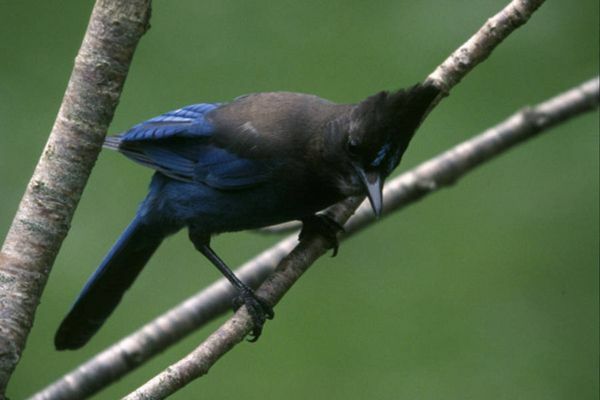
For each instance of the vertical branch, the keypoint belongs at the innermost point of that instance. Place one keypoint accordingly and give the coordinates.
(44, 215)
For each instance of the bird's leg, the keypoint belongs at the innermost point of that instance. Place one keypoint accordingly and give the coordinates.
(324, 225)
(258, 309)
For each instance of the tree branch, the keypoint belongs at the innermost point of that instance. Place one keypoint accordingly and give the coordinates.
(480, 46)
(44, 215)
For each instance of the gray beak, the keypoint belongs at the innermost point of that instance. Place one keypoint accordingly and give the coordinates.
(374, 185)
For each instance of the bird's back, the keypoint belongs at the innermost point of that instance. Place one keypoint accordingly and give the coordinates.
(263, 124)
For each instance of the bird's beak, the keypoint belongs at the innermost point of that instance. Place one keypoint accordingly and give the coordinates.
(374, 185)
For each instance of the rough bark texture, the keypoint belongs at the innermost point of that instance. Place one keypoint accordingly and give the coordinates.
(45, 212)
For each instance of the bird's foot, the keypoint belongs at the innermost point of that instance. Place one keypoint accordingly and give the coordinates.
(258, 309)
(325, 226)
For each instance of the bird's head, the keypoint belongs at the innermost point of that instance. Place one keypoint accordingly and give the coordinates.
(377, 134)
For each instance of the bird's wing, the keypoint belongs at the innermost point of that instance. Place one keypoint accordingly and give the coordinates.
(179, 144)
(187, 122)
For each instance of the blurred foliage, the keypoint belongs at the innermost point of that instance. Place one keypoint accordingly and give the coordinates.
(486, 290)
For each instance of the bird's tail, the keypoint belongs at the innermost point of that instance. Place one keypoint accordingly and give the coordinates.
(105, 288)
(112, 142)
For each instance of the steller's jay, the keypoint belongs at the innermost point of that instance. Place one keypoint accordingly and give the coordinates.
(259, 160)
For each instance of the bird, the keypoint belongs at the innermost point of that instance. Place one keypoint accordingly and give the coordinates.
(258, 160)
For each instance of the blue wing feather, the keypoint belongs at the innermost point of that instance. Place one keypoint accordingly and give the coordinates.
(178, 144)
(188, 121)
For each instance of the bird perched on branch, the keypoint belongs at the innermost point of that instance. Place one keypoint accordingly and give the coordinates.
(259, 160)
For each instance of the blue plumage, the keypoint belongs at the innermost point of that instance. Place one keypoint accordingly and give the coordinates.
(188, 121)
(179, 145)
(262, 159)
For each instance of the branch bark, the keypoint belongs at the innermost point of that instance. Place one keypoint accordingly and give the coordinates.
(480, 46)
(44, 215)
(199, 361)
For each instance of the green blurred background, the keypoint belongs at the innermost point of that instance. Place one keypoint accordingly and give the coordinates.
(487, 290)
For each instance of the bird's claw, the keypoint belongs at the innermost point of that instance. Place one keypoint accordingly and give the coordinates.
(325, 226)
(258, 309)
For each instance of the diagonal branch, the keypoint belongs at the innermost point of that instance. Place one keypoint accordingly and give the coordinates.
(480, 46)
(44, 215)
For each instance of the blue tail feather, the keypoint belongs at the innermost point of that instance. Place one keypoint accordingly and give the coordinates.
(105, 288)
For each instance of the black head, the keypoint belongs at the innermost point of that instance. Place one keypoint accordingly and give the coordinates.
(379, 131)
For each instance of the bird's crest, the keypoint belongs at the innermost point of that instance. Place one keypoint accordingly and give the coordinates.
(382, 125)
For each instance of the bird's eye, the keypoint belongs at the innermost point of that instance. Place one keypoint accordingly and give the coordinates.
(353, 147)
